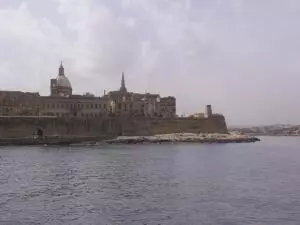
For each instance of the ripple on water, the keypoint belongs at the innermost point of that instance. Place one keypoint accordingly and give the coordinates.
(152, 184)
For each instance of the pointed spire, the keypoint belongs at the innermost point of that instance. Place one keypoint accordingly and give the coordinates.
(123, 86)
(123, 81)
(61, 70)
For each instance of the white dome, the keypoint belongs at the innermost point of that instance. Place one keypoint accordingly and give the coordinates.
(63, 81)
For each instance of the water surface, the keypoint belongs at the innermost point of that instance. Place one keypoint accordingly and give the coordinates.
(187, 184)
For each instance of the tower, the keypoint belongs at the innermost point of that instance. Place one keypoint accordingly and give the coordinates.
(123, 87)
(209, 111)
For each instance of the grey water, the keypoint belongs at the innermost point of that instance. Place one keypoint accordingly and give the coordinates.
(186, 184)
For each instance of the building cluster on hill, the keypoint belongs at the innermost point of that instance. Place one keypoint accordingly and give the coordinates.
(63, 103)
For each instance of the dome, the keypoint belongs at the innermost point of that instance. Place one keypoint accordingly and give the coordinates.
(63, 81)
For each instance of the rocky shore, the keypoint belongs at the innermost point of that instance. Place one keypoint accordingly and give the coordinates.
(184, 137)
(163, 138)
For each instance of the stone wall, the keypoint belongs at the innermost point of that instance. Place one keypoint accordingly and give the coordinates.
(215, 124)
(142, 126)
(23, 127)
(26, 126)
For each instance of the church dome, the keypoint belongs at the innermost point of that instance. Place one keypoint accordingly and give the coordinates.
(63, 81)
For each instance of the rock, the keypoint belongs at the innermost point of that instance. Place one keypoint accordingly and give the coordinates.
(184, 137)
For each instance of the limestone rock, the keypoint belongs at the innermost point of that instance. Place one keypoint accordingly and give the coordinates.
(184, 137)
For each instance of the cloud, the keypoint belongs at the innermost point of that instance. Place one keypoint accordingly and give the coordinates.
(28, 46)
(241, 56)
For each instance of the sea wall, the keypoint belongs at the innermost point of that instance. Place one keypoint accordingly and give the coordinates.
(142, 126)
(214, 124)
(26, 126)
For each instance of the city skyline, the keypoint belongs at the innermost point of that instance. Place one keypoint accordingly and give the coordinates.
(239, 56)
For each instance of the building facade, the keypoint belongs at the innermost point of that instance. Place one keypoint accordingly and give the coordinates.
(63, 103)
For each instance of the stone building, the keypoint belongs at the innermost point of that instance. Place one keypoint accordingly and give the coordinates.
(63, 103)
(167, 107)
(149, 105)
(79, 106)
(17, 103)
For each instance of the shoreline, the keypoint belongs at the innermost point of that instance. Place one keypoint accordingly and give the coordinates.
(184, 138)
(156, 139)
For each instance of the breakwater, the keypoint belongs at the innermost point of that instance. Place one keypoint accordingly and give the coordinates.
(184, 137)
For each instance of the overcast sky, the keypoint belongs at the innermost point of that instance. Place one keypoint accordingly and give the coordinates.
(241, 56)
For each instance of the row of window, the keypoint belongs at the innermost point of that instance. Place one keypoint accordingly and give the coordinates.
(125, 106)
(83, 115)
(73, 106)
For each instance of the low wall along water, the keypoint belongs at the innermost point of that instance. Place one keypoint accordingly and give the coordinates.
(11, 127)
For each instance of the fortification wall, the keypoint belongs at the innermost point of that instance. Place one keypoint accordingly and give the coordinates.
(190, 125)
(142, 126)
(26, 126)
(22, 126)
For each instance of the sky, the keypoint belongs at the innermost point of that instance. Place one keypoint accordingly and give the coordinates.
(241, 56)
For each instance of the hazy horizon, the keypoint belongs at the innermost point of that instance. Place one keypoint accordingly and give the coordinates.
(241, 56)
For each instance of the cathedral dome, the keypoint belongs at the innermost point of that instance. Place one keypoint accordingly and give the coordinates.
(61, 86)
(63, 81)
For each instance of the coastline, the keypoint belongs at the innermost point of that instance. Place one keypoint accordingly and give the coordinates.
(157, 139)
(185, 138)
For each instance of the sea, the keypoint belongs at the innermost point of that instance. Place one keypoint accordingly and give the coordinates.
(154, 184)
